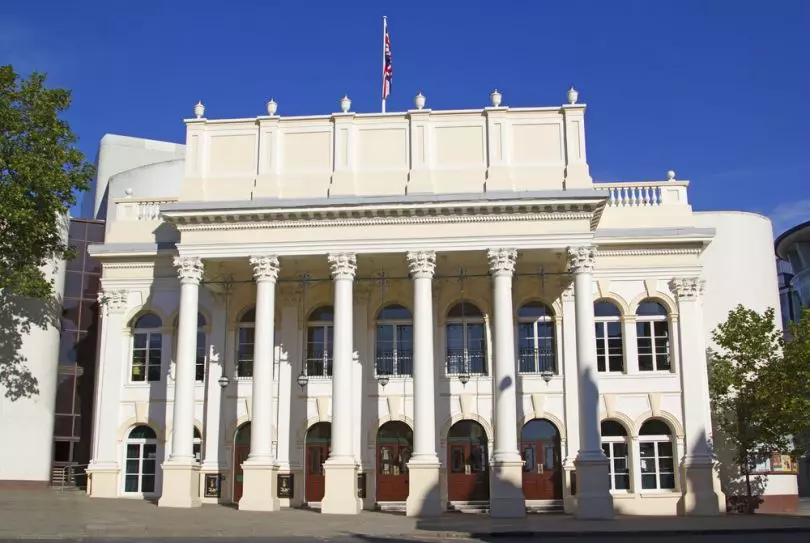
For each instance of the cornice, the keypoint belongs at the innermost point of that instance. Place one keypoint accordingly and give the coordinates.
(395, 217)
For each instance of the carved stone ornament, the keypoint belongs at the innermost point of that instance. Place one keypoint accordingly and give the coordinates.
(568, 291)
(421, 264)
(265, 267)
(502, 261)
(189, 269)
(687, 288)
(581, 259)
(113, 301)
(343, 265)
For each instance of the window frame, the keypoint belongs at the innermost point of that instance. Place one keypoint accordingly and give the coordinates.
(148, 349)
(611, 441)
(240, 361)
(548, 319)
(650, 321)
(465, 322)
(396, 361)
(328, 330)
(603, 322)
(657, 440)
(141, 443)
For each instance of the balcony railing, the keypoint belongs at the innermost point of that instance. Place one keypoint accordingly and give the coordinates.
(319, 364)
(467, 361)
(394, 363)
(645, 193)
(540, 360)
(141, 209)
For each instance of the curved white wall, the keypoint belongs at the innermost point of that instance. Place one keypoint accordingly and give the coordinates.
(739, 266)
(26, 424)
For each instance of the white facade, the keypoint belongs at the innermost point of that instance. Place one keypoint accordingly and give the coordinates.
(502, 258)
(27, 410)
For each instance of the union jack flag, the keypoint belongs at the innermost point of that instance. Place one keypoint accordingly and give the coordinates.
(388, 72)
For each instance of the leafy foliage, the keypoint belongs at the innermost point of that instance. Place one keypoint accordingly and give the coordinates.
(759, 386)
(41, 172)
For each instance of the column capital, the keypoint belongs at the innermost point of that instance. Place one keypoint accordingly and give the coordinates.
(687, 288)
(265, 267)
(113, 300)
(421, 264)
(581, 259)
(502, 261)
(189, 269)
(342, 265)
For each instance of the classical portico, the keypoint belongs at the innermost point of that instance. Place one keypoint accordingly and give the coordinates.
(471, 323)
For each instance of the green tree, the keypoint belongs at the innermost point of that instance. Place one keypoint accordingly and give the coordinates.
(758, 387)
(41, 173)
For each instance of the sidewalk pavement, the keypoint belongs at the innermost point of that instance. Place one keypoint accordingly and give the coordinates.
(50, 514)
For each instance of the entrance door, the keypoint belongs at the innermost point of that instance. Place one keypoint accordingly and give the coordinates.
(319, 441)
(468, 462)
(241, 450)
(542, 467)
(394, 447)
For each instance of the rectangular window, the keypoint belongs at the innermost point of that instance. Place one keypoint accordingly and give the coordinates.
(657, 465)
(653, 345)
(146, 350)
(616, 453)
(320, 341)
(609, 348)
(200, 359)
(244, 360)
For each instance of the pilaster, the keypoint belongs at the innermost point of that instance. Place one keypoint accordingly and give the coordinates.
(420, 177)
(344, 182)
(499, 175)
(577, 172)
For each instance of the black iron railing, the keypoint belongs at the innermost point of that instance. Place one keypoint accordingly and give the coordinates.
(537, 360)
(466, 361)
(394, 363)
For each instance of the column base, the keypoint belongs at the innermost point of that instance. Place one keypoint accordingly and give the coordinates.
(593, 487)
(424, 494)
(701, 495)
(506, 498)
(259, 486)
(181, 485)
(340, 494)
(102, 480)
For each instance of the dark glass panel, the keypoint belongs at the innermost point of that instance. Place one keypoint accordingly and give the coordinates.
(395, 430)
(322, 314)
(142, 432)
(319, 432)
(611, 428)
(605, 309)
(91, 286)
(535, 310)
(77, 230)
(651, 308)
(79, 250)
(394, 312)
(148, 483)
(537, 430)
(243, 434)
(67, 349)
(131, 483)
(88, 314)
(249, 316)
(655, 427)
(95, 232)
(73, 284)
(70, 314)
(622, 481)
(133, 451)
(63, 426)
(148, 320)
(61, 451)
(464, 309)
(467, 429)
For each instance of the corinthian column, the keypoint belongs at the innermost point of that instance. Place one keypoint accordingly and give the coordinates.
(424, 467)
(259, 490)
(593, 482)
(697, 467)
(507, 475)
(181, 482)
(340, 469)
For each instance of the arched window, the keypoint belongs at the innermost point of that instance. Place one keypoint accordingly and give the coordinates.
(320, 342)
(202, 346)
(147, 345)
(197, 445)
(466, 340)
(657, 456)
(394, 353)
(652, 335)
(609, 348)
(615, 447)
(141, 461)
(536, 345)
(246, 339)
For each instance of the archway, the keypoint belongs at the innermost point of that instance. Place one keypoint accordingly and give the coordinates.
(542, 464)
(241, 451)
(394, 447)
(318, 445)
(468, 460)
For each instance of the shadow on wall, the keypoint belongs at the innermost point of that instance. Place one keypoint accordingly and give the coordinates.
(732, 478)
(18, 318)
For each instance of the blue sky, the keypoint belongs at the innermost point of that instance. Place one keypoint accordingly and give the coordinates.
(715, 90)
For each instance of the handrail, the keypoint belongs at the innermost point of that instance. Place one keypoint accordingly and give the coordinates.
(67, 473)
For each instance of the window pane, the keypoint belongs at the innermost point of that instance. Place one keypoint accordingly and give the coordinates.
(133, 451)
(668, 481)
(648, 481)
(645, 362)
(646, 450)
(455, 336)
(620, 449)
(131, 483)
(155, 340)
(622, 482)
(148, 483)
(139, 341)
(665, 448)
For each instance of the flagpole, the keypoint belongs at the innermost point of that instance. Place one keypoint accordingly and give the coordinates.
(385, 29)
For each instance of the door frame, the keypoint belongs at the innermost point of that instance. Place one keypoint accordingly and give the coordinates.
(477, 481)
(319, 442)
(540, 445)
(398, 444)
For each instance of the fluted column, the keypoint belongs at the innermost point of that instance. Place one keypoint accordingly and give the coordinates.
(697, 468)
(340, 469)
(104, 466)
(259, 490)
(424, 466)
(593, 484)
(181, 485)
(507, 475)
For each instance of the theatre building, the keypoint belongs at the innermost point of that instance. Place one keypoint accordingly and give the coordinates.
(426, 310)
